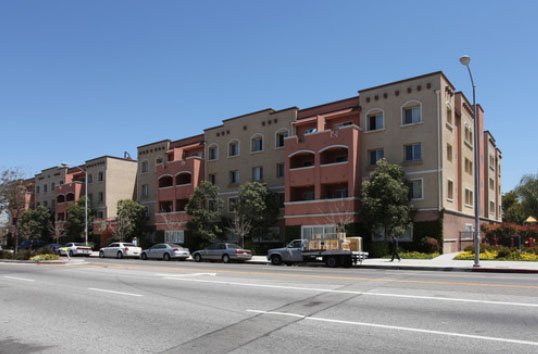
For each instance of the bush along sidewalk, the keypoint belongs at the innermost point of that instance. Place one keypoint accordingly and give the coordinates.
(415, 255)
(500, 253)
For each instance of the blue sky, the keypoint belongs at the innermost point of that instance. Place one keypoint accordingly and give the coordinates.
(81, 79)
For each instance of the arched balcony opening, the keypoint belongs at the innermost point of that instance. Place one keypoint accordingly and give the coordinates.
(166, 181)
(334, 155)
(302, 159)
(183, 178)
(60, 198)
(70, 197)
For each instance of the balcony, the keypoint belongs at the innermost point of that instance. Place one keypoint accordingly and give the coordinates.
(67, 194)
(178, 179)
(322, 211)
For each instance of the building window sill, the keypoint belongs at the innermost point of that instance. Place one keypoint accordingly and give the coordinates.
(411, 124)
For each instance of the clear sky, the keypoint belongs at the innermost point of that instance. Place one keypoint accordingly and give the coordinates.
(81, 79)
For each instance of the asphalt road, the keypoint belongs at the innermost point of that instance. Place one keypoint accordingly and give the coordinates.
(132, 306)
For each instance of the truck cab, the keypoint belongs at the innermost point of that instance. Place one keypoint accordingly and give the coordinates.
(290, 254)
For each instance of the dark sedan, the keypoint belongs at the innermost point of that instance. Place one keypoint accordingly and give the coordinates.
(225, 252)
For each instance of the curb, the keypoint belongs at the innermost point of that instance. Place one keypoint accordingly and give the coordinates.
(17, 261)
(452, 269)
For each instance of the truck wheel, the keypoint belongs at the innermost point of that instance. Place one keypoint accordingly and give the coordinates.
(331, 261)
(276, 260)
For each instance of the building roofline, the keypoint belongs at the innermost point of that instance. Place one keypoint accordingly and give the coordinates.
(111, 157)
(188, 140)
(409, 79)
(329, 103)
(155, 142)
(270, 110)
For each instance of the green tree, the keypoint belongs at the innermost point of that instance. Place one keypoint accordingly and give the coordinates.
(130, 220)
(204, 208)
(36, 223)
(527, 191)
(75, 222)
(257, 207)
(13, 197)
(512, 209)
(385, 199)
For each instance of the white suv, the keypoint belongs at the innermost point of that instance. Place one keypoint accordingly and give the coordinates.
(120, 250)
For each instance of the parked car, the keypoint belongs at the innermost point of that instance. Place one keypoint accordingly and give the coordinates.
(31, 244)
(120, 250)
(75, 249)
(222, 251)
(165, 251)
(52, 248)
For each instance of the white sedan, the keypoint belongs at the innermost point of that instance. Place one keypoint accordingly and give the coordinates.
(120, 250)
(75, 249)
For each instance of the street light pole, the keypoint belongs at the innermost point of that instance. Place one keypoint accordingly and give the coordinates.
(465, 61)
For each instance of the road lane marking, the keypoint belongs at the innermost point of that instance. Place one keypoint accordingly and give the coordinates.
(185, 275)
(335, 277)
(352, 292)
(17, 278)
(114, 292)
(397, 328)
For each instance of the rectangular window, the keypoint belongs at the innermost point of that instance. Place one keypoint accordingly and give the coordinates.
(468, 197)
(375, 121)
(449, 116)
(100, 215)
(413, 152)
(450, 190)
(232, 204)
(492, 162)
(100, 177)
(468, 166)
(45, 188)
(412, 115)
(281, 199)
(234, 177)
(415, 190)
(173, 236)
(257, 144)
(375, 155)
(279, 170)
(233, 149)
(491, 184)
(280, 138)
(37, 190)
(257, 173)
(145, 190)
(492, 207)
(449, 152)
(212, 178)
(52, 185)
(468, 135)
(144, 166)
(101, 197)
(213, 153)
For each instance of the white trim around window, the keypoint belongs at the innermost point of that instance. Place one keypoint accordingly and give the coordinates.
(262, 143)
(216, 157)
(229, 146)
(371, 112)
(411, 104)
(421, 188)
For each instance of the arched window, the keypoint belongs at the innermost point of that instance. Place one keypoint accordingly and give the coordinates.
(256, 143)
(60, 198)
(166, 181)
(70, 197)
(280, 137)
(233, 148)
(183, 178)
(411, 112)
(375, 119)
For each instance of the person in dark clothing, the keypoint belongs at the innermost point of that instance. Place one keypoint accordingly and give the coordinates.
(395, 249)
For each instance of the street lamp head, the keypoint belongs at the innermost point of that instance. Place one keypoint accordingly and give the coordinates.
(465, 60)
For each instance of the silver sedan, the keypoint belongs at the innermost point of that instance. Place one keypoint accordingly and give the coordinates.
(225, 252)
(165, 251)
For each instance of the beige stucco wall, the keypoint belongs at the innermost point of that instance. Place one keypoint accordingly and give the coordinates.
(54, 175)
(119, 177)
(150, 153)
(267, 123)
(394, 135)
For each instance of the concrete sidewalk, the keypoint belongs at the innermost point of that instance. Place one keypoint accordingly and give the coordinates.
(444, 262)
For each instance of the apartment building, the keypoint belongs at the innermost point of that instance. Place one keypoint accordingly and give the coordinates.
(46, 182)
(422, 124)
(66, 193)
(249, 147)
(176, 178)
(110, 179)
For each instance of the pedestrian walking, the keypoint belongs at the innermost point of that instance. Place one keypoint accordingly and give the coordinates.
(135, 241)
(395, 249)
